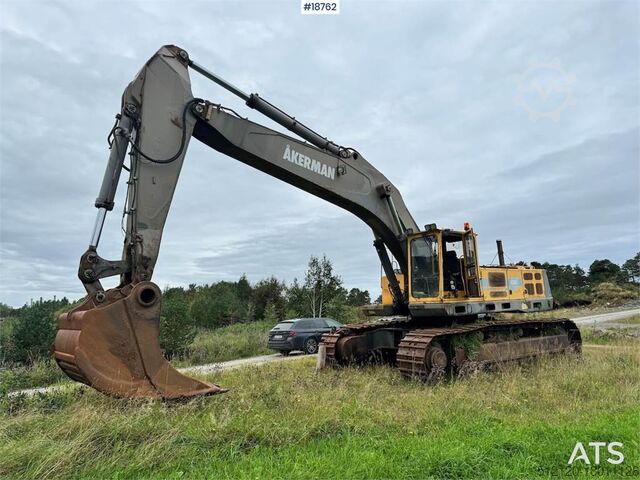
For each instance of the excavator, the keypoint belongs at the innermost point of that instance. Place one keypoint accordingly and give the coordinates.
(438, 304)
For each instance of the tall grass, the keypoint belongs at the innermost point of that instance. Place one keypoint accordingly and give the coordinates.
(240, 340)
(37, 374)
(287, 421)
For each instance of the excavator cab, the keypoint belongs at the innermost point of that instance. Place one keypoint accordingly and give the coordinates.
(444, 265)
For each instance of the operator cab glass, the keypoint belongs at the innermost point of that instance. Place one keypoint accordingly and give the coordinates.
(425, 267)
(452, 256)
(444, 264)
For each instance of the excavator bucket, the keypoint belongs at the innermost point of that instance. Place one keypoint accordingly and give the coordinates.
(113, 346)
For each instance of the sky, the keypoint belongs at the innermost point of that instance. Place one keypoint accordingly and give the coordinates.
(521, 118)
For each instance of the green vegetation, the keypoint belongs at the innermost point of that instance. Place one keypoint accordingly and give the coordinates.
(613, 338)
(26, 333)
(176, 328)
(605, 284)
(611, 294)
(37, 374)
(521, 422)
(240, 340)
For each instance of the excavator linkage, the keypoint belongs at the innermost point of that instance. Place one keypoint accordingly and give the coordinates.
(113, 346)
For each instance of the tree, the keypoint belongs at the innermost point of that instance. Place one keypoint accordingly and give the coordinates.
(176, 327)
(5, 310)
(631, 268)
(357, 297)
(321, 284)
(563, 277)
(270, 290)
(579, 277)
(270, 314)
(34, 331)
(244, 292)
(218, 305)
(297, 304)
(603, 271)
(243, 287)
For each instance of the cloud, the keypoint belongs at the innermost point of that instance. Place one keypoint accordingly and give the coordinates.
(425, 91)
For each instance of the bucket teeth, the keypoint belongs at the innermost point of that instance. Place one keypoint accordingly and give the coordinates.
(114, 347)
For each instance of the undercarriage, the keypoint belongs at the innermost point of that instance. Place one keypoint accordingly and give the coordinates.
(446, 348)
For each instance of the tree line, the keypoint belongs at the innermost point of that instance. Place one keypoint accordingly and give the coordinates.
(571, 285)
(27, 333)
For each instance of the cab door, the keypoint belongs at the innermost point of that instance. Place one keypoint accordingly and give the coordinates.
(471, 271)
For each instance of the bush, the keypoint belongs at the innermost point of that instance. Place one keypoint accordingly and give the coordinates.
(33, 333)
(176, 328)
(568, 298)
(219, 305)
(6, 338)
(229, 343)
(270, 314)
(610, 294)
(344, 313)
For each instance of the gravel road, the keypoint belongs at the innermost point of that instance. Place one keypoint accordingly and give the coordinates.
(605, 317)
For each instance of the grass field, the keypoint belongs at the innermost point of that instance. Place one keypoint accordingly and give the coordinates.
(240, 340)
(287, 421)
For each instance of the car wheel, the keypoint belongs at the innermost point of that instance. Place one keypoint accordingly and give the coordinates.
(311, 346)
(285, 353)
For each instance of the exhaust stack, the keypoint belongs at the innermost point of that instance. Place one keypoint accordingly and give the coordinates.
(500, 253)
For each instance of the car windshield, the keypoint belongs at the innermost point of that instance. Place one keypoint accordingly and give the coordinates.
(283, 326)
(332, 323)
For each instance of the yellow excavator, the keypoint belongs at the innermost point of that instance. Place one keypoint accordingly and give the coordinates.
(435, 318)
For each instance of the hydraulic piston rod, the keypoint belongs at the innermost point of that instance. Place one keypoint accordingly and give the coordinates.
(104, 201)
(254, 101)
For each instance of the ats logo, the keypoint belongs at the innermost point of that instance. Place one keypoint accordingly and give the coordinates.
(613, 449)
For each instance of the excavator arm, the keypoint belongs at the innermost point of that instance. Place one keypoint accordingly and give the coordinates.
(111, 341)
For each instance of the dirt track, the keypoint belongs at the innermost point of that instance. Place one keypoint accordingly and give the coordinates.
(605, 317)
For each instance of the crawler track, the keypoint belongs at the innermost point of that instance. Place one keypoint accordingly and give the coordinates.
(331, 340)
(430, 353)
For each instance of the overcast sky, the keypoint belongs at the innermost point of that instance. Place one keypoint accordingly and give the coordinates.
(521, 118)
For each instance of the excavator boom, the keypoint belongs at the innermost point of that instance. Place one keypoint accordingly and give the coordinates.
(111, 341)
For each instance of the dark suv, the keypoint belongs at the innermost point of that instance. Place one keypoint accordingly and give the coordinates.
(300, 334)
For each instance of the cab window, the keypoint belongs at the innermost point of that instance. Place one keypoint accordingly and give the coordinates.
(425, 270)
